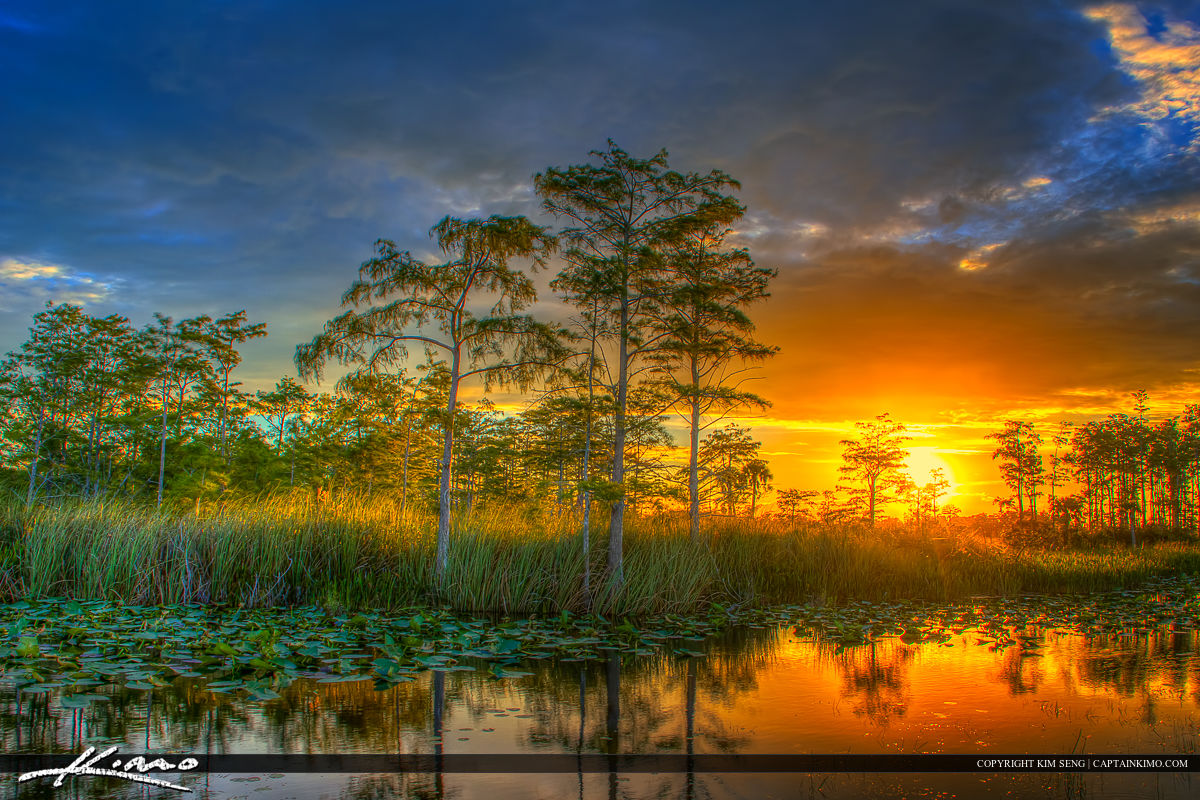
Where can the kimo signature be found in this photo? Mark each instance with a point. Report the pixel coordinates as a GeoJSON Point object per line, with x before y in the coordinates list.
{"type": "Point", "coordinates": [85, 765]}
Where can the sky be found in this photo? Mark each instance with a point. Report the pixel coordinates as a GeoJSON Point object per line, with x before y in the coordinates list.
{"type": "Point", "coordinates": [977, 210]}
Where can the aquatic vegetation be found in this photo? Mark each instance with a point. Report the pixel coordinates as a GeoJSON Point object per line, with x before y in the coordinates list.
{"type": "Point", "coordinates": [74, 646]}
{"type": "Point", "coordinates": [55, 643]}
{"type": "Point", "coordinates": [999, 622]}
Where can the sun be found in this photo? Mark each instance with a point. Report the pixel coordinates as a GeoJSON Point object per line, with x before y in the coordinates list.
{"type": "Point", "coordinates": [921, 463]}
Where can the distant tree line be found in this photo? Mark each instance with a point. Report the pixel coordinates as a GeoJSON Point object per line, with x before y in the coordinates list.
{"type": "Point", "coordinates": [874, 474]}
{"type": "Point", "coordinates": [93, 407]}
{"type": "Point", "coordinates": [1123, 471]}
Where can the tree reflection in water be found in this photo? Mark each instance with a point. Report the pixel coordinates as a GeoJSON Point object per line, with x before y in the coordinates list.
{"type": "Point", "coordinates": [1020, 669]}
{"type": "Point", "coordinates": [875, 676]}
{"type": "Point", "coordinates": [641, 705]}
{"type": "Point", "coordinates": [644, 704]}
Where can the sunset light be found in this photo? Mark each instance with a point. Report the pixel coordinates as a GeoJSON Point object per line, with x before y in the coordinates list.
{"type": "Point", "coordinates": [921, 463]}
{"type": "Point", "coordinates": [800, 394]}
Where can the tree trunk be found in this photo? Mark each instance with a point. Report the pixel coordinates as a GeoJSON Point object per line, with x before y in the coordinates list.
{"type": "Point", "coordinates": [37, 452]}
{"type": "Point", "coordinates": [443, 534]}
{"type": "Point", "coordinates": [1020, 498]}
{"type": "Point", "coordinates": [559, 492]}
{"type": "Point", "coordinates": [587, 492]}
{"type": "Point", "coordinates": [224, 415]}
{"type": "Point", "coordinates": [616, 527]}
{"type": "Point", "coordinates": [694, 460]}
{"type": "Point", "coordinates": [404, 469]}
{"type": "Point", "coordinates": [162, 448]}
{"type": "Point", "coordinates": [90, 460]}
{"type": "Point", "coordinates": [871, 500]}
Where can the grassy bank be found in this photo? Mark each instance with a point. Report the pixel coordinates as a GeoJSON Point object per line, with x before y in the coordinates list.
{"type": "Point", "coordinates": [367, 554]}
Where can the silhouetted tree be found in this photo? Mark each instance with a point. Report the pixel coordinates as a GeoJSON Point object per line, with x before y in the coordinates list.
{"type": "Point", "coordinates": [873, 461]}
{"type": "Point", "coordinates": [1021, 463]}
{"type": "Point", "coordinates": [709, 338]}
{"type": "Point", "coordinates": [792, 500]}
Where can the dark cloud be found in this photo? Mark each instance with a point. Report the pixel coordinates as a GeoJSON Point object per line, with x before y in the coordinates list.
{"type": "Point", "coordinates": [1099, 305]}
{"type": "Point", "coordinates": [226, 155]}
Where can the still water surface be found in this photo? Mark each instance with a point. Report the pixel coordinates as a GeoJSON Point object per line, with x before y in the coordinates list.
{"type": "Point", "coordinates": [764, 690]}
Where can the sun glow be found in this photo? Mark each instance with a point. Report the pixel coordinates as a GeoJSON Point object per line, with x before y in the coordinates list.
{"type": "Point", "coordinates": [921, 463]}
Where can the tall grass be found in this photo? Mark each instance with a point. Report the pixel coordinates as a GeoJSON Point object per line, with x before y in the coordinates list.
{"type": "Point", "coordinates": [363, 553]}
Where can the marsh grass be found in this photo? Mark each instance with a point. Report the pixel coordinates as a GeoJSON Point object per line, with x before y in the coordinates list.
{"type": "Point", "coordinates": [369, 553]}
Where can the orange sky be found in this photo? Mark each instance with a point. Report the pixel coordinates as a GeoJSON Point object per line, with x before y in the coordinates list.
{"type": "Point", "coordinates": [951, 354]}
{"type": "Point", "coordinates": [1048, 290]}
{"type": "Point", "coordinates": [977, 211]}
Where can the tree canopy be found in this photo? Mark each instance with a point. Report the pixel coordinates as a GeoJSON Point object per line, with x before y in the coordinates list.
{"type": "Point", "coordinates": [398, 299]}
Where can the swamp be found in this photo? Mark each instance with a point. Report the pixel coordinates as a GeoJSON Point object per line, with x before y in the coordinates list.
{"type": "Point", "coordinates": [275, 628]}
{"type": "Point", "coordinates": [1117, 672]}
{"type": "Point", "coordinates": [386, 412]}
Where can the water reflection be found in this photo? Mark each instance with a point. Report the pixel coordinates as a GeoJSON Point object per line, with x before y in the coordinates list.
{"type": "Point", "coordinates": [755, 691]}
{"type": "Point", "coordinates": [875, 677]}
{"type": "Point", "coordinates": [1021, 668]}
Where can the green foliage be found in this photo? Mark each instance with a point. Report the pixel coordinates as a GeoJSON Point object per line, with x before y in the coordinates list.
{"type": "Point", "coordinates": [99, 409]}
{"type": "Point", "coordinates": [705, 339]}
{"type": "Point", "coordinates": [730, 471]}
{"type": "Point", "coordinates": [624, 214]}
{"type": "Point", "coordinates": [370, 553]}
{"type": "Point", "coordinates": [281, 406]}
{"type": "Point", "coordinates": [395, 294]}
{"type": "Point", "coordinates": [374, 336]}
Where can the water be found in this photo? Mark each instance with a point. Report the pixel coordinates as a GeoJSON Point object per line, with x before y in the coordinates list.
{"type": "Point", "coordinates": [754, 691]}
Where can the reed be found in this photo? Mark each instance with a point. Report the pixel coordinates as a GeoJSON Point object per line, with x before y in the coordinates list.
{"type": "Point", "coordinates": [369, 552]}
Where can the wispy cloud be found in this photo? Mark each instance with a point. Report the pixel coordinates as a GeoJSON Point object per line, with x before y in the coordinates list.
{"type": "Point", "coordinates": [22, 281]}
{"type": "Point", "coordinates": [1166, 63]}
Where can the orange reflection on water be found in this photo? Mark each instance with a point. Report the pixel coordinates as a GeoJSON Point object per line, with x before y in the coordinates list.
{"type": "Point", "coordinates": [1070, 694]}
{"type": "Point", "coordinates": [755, 691]}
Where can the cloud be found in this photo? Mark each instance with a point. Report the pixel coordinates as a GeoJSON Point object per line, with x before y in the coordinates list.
{"type": "Point", "coordinates": [975, 207]}
{"type": "Point", "coordinates": [1165, 64]}
{"type": "Point", "coordinates": [1095, 304]}
{"type": "Point", "coordinates": [13, 270]}
{"type": "Point", "coordinates": [23, 283]}
{"type": "Point", "coordinates": [274, 143]}
{"type": "Point", "coordinates": [979, 257]}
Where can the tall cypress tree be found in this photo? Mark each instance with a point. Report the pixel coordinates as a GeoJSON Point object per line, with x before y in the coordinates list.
{"type": "Point", "coordinates": [623, 212]}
